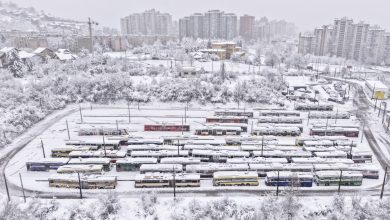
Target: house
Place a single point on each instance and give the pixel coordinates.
(188, 71)
(44, 52)
(64, 55)
(5, 54)
(229, 47)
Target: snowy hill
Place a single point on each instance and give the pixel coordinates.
(14, 18)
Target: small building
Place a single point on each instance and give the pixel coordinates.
(188, 71)
(64, 55)
(44, 52)
(229, 47)
(378, 89)
(5, 54)
(295, 85)
(220, 53)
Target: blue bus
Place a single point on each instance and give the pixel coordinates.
(46, 164)
(287, 178)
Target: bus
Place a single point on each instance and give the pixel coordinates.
(108, 144)
(255, 160)
(166, 127)
(280, 120)
(207, 170)
(153, 180)
(276, 131)
(235, 113)
(287, 178)
(332, 178)
(329, 115)
(113, 154)
(330, 154)
(227, 119)
(279, 113)
(218, 156)
(64, 151)
(369, 171)
(334, 139)
(234, 140)
(235, 178)
(76, 168)
(244, 127)
(218, 130)
(335, 131)
(46, 164)
(151, 147)
(142, 141)
(105, 162)
(160, 154)
(360, 156)
(133, 164)
(89, 131)
(86, 181)
(180, 160)
(313, 107)
(161, 168)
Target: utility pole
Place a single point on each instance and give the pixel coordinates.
(104, 145)
(90, 23)
(67, 128)
(128, 109)
(361, 141)
(262, 145)
(117, 127)
(182, 126)
(6, 188)
(384, 182)
(43, 149)
(308, 118)
(21, 184)
(277, 186)
(81, 115)
(81, 193)
(174, 183)
(326, 128)
(341, 175)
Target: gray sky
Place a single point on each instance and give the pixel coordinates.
(306, 14)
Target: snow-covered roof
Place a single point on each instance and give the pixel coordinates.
(336, 173)
(166, 176)
(180, 160)
(288, 174)
(377, 84)
(7, 49)
(40, 50)
(161, 167)
(138, 160)
(235, 174)
(24, 55)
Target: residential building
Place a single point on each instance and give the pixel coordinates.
(247, 27)
(229, 47)
(149, 23)
(306, 44)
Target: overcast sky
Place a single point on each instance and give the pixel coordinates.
(306, 14)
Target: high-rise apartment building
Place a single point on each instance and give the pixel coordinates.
(247, 27)
(355, 41)
(150, 23)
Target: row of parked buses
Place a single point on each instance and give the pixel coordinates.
(251, 178)
(329, 115)
(313, 107)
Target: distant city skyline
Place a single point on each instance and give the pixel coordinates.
(308, 15)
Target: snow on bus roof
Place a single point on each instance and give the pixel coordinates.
(177, 167)
(74, 177)
(319, 148)
(179, 160)
(256, 160)
(359, 152)
(137, 160)
(166, 176)
(96, 141)
(332, 166)
(336, 173)
(318, 143)
(159, 153)
(235, 174)
(220, 152)
(377, 84)
(79, 167)
(216, 166)
(362, 167)
(210, 147)
(211, 142)
(89, 160)
(226, 117)
(212, 127)
(49, 160)
(283, 153)
(216, 124)
(330, 153)
(321, 160)
(260, 166)
(151, 147)
(286, 174)
(234, 110)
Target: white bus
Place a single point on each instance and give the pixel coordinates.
(89, 169)
(87, 182)
(161, 168)
(152, 180)
(235, 178)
